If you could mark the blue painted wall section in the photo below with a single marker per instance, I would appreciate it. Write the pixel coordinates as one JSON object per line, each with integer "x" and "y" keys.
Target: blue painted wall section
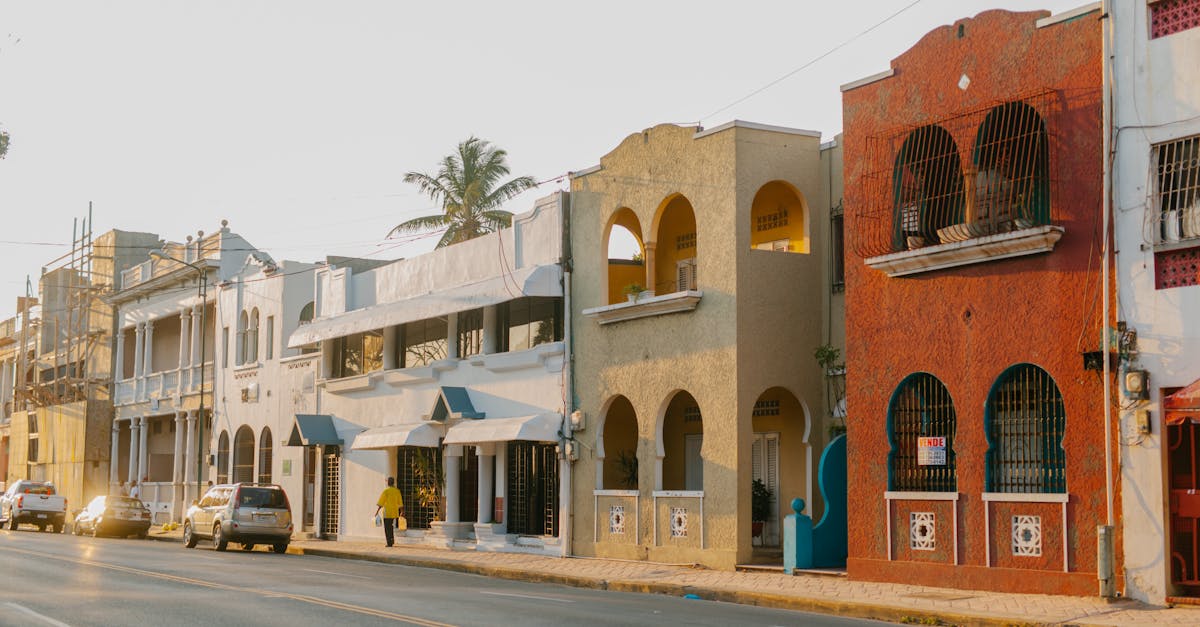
{"x": 825, "y": 545}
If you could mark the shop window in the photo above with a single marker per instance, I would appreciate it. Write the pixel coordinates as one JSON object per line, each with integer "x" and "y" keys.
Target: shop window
{"x": 1025, "y": 421}
{"x": 921, "y": 427}
{"x": 528, "y": 322}
{"x": 423, "y": 342}
{"x": 1168, "y": 17}
{"x": 357, "y": 354}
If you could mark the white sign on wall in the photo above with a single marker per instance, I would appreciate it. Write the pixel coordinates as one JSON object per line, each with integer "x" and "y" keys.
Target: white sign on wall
{"x": 931, "y": 451}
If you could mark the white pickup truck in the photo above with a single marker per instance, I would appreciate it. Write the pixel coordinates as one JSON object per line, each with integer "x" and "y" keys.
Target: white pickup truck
{"x": 33, "y": 503}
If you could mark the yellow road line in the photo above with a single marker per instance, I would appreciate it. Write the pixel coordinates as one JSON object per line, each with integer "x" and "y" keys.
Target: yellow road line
{"x": 337, "y": 605}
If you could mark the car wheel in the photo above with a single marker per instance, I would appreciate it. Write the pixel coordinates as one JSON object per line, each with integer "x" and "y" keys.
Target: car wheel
{"x": 12, "y": 520}
{"x": 247, "y": 546}
{"x": 280, "y": 548}
{"x": 75, "y": 529}
{"x": 95, "y": 530}
{"x": 142, "y": 534}
{"x": 219, "y": 541}
{"x": 189, "y": 538}
{"x": 58, "y": 528}
{"x": 42, "y": 528}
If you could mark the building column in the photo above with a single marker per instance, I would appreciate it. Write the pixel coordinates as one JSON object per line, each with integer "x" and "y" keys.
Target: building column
{"x": 148, "y": 351}
{"x": 452, "y": 336}
{"x": 452, "y": 465}
{"x": 197, "y": 334}
{"x": 487, "y": 469}
{"x": 134, "y": 438}
{"x": 119, "y": 371}
{"x": 391, "y": 352}
{"x": 114, "y": 475}
{"x": 177, "y": 470}
{"x": 139, "y": 332}
{"x": 189, "y": 464}
{"x": 184, "y": 340}
{"x": 143, "y": 449}
{"x": 650, "y": 248}
{"x": 501, "y": 484}
{"x": 489, "y": 330}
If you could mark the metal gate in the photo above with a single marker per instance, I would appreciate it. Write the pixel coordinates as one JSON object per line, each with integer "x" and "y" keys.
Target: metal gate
{"x": 532, "y": 489}
{"x": 310, "y": 486}
{"x": 409, "y": 461}
{"x": 331, "y": 491}
{"x": 468, "y": 486}
{"x": 1183, "y": 446}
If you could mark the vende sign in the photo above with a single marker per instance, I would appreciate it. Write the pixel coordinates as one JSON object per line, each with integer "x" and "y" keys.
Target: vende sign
{"x": 931, "y": 451}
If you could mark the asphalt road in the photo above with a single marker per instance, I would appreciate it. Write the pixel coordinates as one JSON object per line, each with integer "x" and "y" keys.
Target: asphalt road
{"x": 48, "y": 579}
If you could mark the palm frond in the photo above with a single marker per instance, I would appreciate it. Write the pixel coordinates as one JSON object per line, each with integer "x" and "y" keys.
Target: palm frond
{"x": 423, "y": 223}
{"x": 497, "y": 219}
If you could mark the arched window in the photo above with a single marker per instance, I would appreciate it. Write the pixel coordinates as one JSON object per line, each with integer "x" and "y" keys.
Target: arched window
{"x": 1010, "y": 181}
{"x": 626, "y": 257}
{"x": 243, "y": 455}
{"x": 921, "y": 426}
{"x": 676, "y": 260}
{"x": 927, "y": 189}
{"x": 252, "y": 337}
{"x": 1025, "y": 421}
{"x": 264, "y": 456}
{"x": 243, "y": 326}
{"x": 223, "y": 458}
{"x": 778, "y": 219}
{"x": 307, "y": 313}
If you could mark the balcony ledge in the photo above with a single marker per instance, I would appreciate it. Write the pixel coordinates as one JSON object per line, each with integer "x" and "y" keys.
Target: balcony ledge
{"x": 676, "y": 302}
{"x": 1039, "y": 239}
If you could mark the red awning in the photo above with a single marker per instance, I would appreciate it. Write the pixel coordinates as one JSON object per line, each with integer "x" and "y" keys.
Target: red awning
{"x": 1183, "y": 405}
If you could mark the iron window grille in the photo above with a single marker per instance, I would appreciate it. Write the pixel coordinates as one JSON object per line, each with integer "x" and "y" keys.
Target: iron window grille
{"x": 407, "y": 460}
{"x": 921, "y": 407}
{"x": 243, "y": 455}
{"x": 331, "y": 498}
{"x": 1168, "y": 17}
{"x": 1025, "y": 421}
{"x": 532, "y": 488}
{"x": 1175, "y": 215}
{"x": 978, "y": 172}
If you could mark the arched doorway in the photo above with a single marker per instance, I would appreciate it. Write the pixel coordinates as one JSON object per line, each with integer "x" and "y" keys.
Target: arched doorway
{"x": 779, "y": 219}
{"x": 619, "y": 446}
{"x": 243, "y": 455}
{"x": 681, "y": 441}
{"x": 626, "y": 256}
{"x": 264, "y": 456}
{"x": 781, "y": 459}
{"x": 223, "y": 458}
{"x": 676, "y": 259}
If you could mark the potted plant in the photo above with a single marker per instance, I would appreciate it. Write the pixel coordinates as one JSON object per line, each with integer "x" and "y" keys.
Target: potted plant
{"x": 627, "y": 466}
{"x": 632, "y": 291}
{"x": 760, "y": 507}
{"x": 829, "y": 359}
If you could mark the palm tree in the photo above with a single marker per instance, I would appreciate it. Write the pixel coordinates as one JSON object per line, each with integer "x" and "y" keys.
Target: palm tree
{"x": 467, "y": 185}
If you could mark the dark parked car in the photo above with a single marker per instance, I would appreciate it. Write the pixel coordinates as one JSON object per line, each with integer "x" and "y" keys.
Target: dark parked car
{"x": 113, "y": 516}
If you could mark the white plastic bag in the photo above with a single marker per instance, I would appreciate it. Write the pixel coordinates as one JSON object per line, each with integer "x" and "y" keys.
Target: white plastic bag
{"x": 378, "y": 520}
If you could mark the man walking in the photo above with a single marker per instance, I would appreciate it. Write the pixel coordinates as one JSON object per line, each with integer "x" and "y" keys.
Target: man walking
{"x": 392, "y": 504}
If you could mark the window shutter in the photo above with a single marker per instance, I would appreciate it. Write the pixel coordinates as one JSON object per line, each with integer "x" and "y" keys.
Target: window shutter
{"x": 756, "y": 455}
{"x": 686, "y": 269}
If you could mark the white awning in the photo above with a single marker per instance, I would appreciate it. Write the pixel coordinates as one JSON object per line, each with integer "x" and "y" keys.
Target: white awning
{"x": 414, "y": 434}
{"x": 537, "y": 428}
{"x": 532, "y": 281}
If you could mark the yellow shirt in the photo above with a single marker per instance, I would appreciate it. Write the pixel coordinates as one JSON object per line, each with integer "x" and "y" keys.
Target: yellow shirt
{"x": 391, "y": 501}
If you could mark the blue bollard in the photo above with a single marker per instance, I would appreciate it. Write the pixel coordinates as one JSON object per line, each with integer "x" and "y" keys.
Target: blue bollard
{"x": 797, "y": 539}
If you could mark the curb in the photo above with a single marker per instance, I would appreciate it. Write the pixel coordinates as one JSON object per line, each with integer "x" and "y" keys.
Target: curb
{"x": 849, "y": 609}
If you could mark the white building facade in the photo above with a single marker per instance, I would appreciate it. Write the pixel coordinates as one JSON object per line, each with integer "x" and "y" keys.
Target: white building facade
{"x": 1156, "y": 209}
{"x": 450, "y": 372}
{"x": 262, "y": 383}
{"x": 163, "y": 390}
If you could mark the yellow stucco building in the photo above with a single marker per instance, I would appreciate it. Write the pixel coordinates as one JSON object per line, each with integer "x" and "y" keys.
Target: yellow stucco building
{"x": 705, "y": 272}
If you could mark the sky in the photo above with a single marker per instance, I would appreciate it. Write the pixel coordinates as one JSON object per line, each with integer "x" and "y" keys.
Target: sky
{"x": 296, "y": 121}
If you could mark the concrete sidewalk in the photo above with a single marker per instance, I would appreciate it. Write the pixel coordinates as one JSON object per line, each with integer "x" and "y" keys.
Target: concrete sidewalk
{"x": 814, "y": 593}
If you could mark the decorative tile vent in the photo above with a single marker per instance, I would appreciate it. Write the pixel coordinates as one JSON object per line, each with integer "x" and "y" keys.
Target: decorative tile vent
{"x": 616, "y": 520}
{"x": 1176, "y": 268}
{"x": 766, "y": 408}
{"x": 1168, "y": 17}
{"x": 679, "y": 522}
{"x": 1027, "y": 536}
{"x": 922, "y": 531}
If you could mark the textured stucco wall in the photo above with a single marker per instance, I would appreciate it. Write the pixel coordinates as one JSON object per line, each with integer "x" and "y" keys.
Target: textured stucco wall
{"x": 725, "y": 353}
{"x": 966, "y": 325}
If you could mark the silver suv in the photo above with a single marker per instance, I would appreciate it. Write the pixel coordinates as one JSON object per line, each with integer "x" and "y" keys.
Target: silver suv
{"x": 245, "y": 513}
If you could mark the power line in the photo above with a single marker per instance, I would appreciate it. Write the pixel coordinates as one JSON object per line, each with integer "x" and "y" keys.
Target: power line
{"x": 811, "y": 62}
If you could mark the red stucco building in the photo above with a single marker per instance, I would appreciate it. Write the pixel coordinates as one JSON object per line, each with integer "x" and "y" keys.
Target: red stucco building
{"x": 973, "y": 220}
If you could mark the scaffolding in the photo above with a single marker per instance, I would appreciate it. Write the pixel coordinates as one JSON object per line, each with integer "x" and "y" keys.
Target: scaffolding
{"x": 61, "y": 366}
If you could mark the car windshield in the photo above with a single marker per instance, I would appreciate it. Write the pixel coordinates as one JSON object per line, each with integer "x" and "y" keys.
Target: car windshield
{"x": 270, "y": 498}
{"x": 38, "y": 488}
{"x": 124, "y": 502}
